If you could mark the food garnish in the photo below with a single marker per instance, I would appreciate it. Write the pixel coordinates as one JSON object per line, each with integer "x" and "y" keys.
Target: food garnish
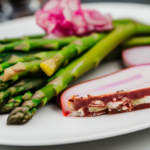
{"x": 61, "y": 18}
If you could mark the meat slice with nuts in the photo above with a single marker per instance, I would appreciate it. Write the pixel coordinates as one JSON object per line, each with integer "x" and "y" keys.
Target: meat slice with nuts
{"x": 123, "y": 91}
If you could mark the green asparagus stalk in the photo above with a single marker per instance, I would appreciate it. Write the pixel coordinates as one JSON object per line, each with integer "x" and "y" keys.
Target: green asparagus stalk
{"x": 140, "y": 29}
{"x": 15, "y": 59}
{"x": 62, "y": 78}
{"x": 136, "y": 41}
{"x": 14, "y": 102}
{"x": 68, "y": 53}
{"x": 8, "y": 40}
{"x": 28, "y": 45}
{"x": 5, "y": 56}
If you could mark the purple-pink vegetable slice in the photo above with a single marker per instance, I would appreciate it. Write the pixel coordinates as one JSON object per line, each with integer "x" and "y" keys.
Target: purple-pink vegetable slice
{"x": 97, "y": 21}
{"x": 136, "y": 56}
{"x": 66, "y": 17}
{"x": 123, "y": 91}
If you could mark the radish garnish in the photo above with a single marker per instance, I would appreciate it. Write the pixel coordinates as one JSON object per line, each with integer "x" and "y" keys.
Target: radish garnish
{"x": 66, "y": 17}
{"x": 97, "y": 21}
{"x": 136, "y": 56}
{"x": 123, "y": 91}
{"x": 57, "y": 18}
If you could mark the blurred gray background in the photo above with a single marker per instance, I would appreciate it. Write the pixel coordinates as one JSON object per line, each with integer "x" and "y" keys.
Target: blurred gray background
{"x": 11, "y": 9}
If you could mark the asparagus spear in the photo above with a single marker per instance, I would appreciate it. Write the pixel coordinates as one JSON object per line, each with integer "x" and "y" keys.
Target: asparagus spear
{"x": 14, "y": 102}
{"x": 23, "y": 85}
{"x": 136, "y": 41}
{"x": 7, "y": 55}
{"x": 74, "y": 49}
{"x": 8, "y": 40}
{"x": 62, "y": 78}
{"x": 14, "y": 59}
{"x": 27, "y": 45}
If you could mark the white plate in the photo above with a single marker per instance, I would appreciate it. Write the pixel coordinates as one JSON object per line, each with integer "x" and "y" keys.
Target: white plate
{"x": 49, "y": 126}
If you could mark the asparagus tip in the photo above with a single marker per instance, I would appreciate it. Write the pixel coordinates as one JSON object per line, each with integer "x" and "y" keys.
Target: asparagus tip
{"x": 18, "y": 116}
{"x": 7, "y": 108}
{"x": 11, "y": 71}
{"x": 4, "y": 110}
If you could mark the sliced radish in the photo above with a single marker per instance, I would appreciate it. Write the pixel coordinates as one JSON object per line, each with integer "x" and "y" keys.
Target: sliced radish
{"x": 136, "y": 56}
{"x": 94, "y": 17}
{"x": 66, "y": 17}
{"x": 127, "y": 80}
{"x": 57, "y": 18}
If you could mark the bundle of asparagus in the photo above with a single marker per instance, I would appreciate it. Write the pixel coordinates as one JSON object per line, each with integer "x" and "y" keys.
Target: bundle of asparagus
{"x": 31, "y": 60}
{"x": 25, "y": 68}
{"x": 22, "y": 69}
{"x": 124, "y": 29}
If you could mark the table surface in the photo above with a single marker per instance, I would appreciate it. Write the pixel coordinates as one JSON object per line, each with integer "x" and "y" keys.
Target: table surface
{"x": 133, "y": 141}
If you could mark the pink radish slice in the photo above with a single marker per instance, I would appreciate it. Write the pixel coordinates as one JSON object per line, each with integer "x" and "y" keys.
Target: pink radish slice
{"x": 94, "y": 17}
{"x": 127, "y": 79}
{"x": 96, "y": 21}
{"x": 136, "y": 56}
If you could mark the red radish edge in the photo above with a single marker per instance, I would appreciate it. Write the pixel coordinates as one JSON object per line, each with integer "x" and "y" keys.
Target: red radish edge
{"x": 132, "y": 78}
{"x": 136, "y": 56}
